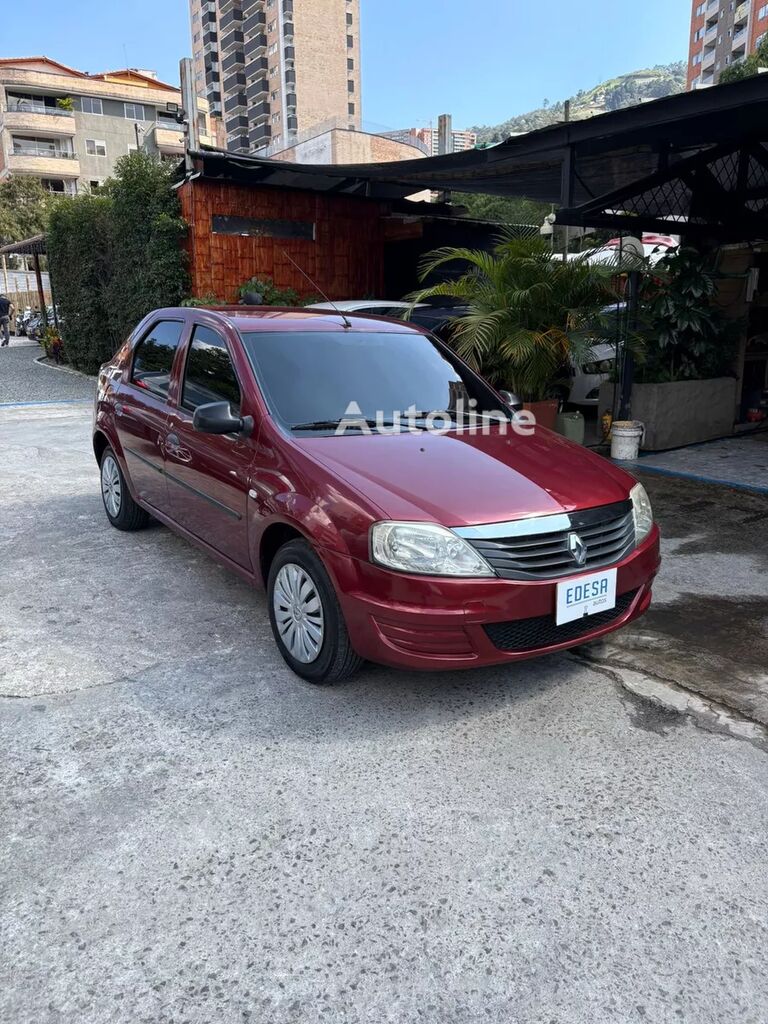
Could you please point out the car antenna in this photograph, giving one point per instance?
(347, 322)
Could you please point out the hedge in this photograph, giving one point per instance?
(114, 256)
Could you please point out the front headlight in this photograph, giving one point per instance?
(425, 548)
(642, 512)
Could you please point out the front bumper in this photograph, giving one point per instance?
(431, 622)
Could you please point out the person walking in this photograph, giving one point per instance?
(6, 309)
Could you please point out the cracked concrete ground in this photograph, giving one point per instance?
(192, 834)
(708, 627)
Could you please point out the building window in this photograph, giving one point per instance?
(89, 105)
(760, 39)
(350, 64)
(95, 147)
(350, 86)
(134, 111)
(132, 148)
(196, 37)
(275, 118)
(272, 49)
(271, 26)
(349, 18)
(697, 59)
(350, 108)
(763, 12)
(274, 94)
(273, 71)
(350, 42)
(95, 185)
(700, 9)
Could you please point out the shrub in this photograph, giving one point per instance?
(270, 294)
(115, 256)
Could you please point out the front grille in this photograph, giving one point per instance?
(542, 552)
(542, 631)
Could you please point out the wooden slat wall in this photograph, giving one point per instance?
(346, 258)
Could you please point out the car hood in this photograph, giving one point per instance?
(462, 480)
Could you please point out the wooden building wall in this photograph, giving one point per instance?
(346, 256)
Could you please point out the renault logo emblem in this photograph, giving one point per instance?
(577, 548)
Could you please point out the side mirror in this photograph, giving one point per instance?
(512, 401)
(217, 418)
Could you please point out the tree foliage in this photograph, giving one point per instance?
(527, 315)
(687, 335)
(115, 256)
(748, 67)
(24, 208)
(514, 210)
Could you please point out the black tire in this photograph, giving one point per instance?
(336, 659)
(128, 515)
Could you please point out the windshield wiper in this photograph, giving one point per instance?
(350, 422)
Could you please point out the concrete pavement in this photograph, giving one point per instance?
(193, 834)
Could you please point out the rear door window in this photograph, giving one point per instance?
(209, 374)
(154, 355)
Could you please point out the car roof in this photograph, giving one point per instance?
(285, 318)
(350, 305)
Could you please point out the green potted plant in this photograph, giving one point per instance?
(529, 315)
(65, 103)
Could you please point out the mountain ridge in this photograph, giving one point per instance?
(613, 94)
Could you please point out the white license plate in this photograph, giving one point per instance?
(586, 595)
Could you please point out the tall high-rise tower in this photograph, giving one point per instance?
(723, 32)
(276, 70)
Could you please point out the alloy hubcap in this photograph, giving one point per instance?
(111, 489)
(298, 613)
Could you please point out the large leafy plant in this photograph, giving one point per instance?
(529, 314)
(687, 335)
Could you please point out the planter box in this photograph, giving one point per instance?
(681, 412)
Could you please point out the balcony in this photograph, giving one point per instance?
(235, 81)
(288, 30)
(231, 39)
(254, 22)
(290, 53)
(708, 59)
(741, 13)
(232, 60)
(168, 140)
(260, 136)
(231, 18)
(258, 112)
(236, 124)
(38, 119)
(258, 88)
(44, 164)
(257, 67)
(290, 77)
(236, 102)
(255, 45)
(293, 123)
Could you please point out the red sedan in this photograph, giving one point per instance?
(390, 503)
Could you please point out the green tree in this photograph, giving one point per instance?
(116, 255)
(502, 209)
(24, 208)
(748, 67)
(528, 314)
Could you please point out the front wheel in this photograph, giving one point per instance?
(122, 511)
(306, 618)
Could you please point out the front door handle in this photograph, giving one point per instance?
(176, 450)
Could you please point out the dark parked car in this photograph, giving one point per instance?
(389, 543)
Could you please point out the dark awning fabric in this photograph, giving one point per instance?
(612, 150)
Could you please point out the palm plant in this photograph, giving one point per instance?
(528, 314)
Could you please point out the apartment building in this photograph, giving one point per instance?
(428, 139)
(276, 68)
(722, 32)
(69, 128)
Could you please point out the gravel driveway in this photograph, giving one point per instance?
(193, 834)
(23, 380)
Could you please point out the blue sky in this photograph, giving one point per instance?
(481, 60)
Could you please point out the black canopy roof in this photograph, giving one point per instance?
(697, 157)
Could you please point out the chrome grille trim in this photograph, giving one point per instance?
(537, 548)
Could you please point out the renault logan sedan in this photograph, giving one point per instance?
(276, 441)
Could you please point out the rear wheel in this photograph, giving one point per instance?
(306, 618)
(122, 511)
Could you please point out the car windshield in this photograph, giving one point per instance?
(313, 380)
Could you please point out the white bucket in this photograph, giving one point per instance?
(626, 436)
